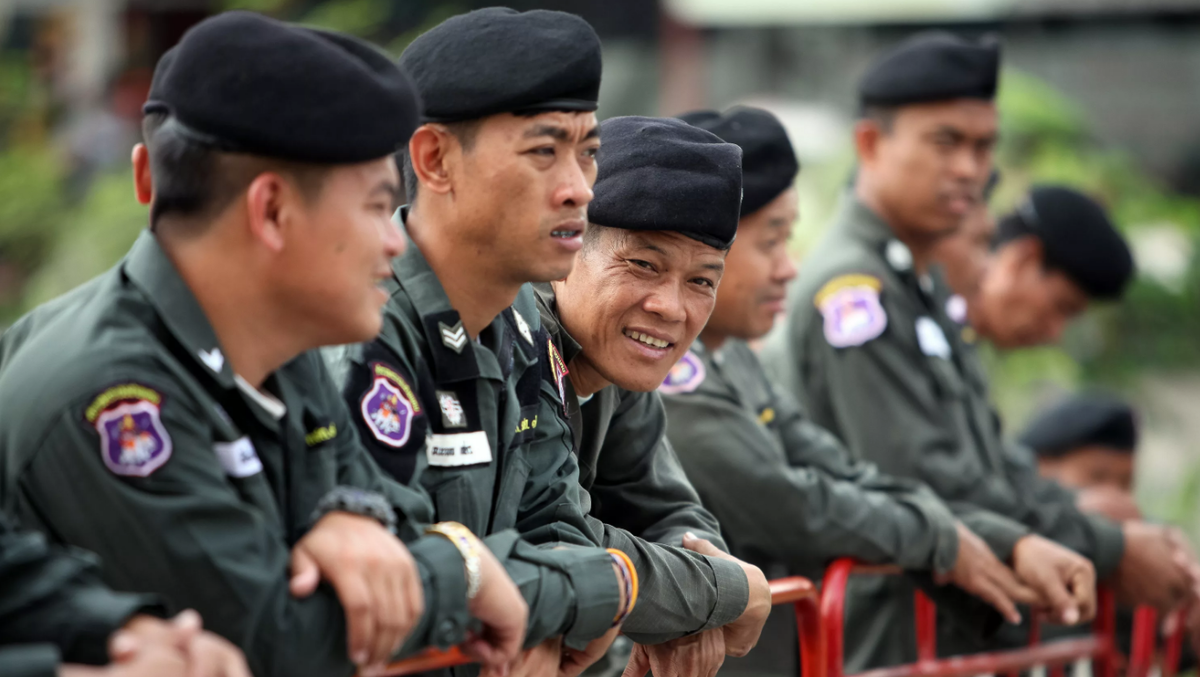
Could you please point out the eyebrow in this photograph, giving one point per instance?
(557, 133)
(717, 267)
(390, 187)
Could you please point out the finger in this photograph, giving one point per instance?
(992, 594)
(1058, 599)
(123, 646)
(202, 658)
(235, 663)
(1083, 590)
(305, 574)
(360, 622)
(1013, 588)
(700, 545)
(186, 625)
(386, 608)
(639, 660)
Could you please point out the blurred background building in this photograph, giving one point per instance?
(1100, 94)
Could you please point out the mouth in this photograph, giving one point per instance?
(650, 345)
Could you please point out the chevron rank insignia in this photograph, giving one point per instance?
(454, 337)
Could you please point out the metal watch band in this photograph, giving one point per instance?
(468, 546)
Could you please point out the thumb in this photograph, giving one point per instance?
(305, 574)
(700, 545)
(639, 660)
(123, 646)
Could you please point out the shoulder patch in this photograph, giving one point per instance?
(687, 375)
(133, 440)
(388, 406)
(852, 311)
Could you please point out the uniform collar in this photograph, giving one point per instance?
(148, 266)
(569, 346)
(442, 325)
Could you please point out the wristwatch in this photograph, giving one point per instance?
(357, 502)
(468, 546)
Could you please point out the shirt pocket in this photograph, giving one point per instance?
(512, 492)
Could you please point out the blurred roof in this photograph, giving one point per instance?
(774, 12)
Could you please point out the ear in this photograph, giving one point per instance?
(430, 150)
(269, 207)
(1030, 251)
(143, 184)
(866, 140)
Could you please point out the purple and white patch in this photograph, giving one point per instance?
(687, 375)
(387, 412)
(133, 441)
(956, 309)
(853, 316)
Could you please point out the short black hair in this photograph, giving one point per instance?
(463, 130)
(883, 116)
(196, 182)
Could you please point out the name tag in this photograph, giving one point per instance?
(449, 450)
(238, 458)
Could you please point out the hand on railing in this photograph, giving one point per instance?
(794, 590)
(742, 634)
(979, 572)
(1064, 581)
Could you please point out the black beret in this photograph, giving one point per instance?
(769, 164)
(664, 174)
(498, 60)
(932, 66)
(1083, 420)
(241, 82)
(1077, 236)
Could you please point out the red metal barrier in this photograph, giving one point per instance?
(1101, 646)
(795, 590)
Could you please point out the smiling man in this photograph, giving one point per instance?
(869, 350)
(450, 395)
(665, 212)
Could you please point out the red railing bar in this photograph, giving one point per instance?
(1174, 649)
(793, 590)
(1145, 637)
(1064, 651)
(926, 613)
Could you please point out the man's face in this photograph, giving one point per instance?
(1089, 467)
(525, 185)
(1021, 303)
(964, 255)
(757, 271)
(635, 302)
(337, 250)
(930, 168)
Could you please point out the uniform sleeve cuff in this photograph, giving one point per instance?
(1110, 545)
(596, 596)
(29, 660)
(733, 592)
(446, 620)
(945, 552)
(106, 612)
(1000, 533)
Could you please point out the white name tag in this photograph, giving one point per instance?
(458, 449)
(932, 339)
(238, 458)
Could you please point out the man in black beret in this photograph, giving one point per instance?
(1087, 442)
(666, 209)
(789, 496)
(870, 352)
(449, 397)
(1056, 252)
(173, 415)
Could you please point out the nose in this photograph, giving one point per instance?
(394, 240)
(785, 269)
(574, 189)
(666, 302)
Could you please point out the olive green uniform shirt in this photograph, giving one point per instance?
(53, 607)
(641, 502)
(127, 434)
(790, 498)
(868, 350)
(476, 433)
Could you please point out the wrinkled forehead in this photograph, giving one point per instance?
(674, 248)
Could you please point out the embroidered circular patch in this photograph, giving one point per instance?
(687, 375)
(387, 412)
(133, 441)
(852, 312)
